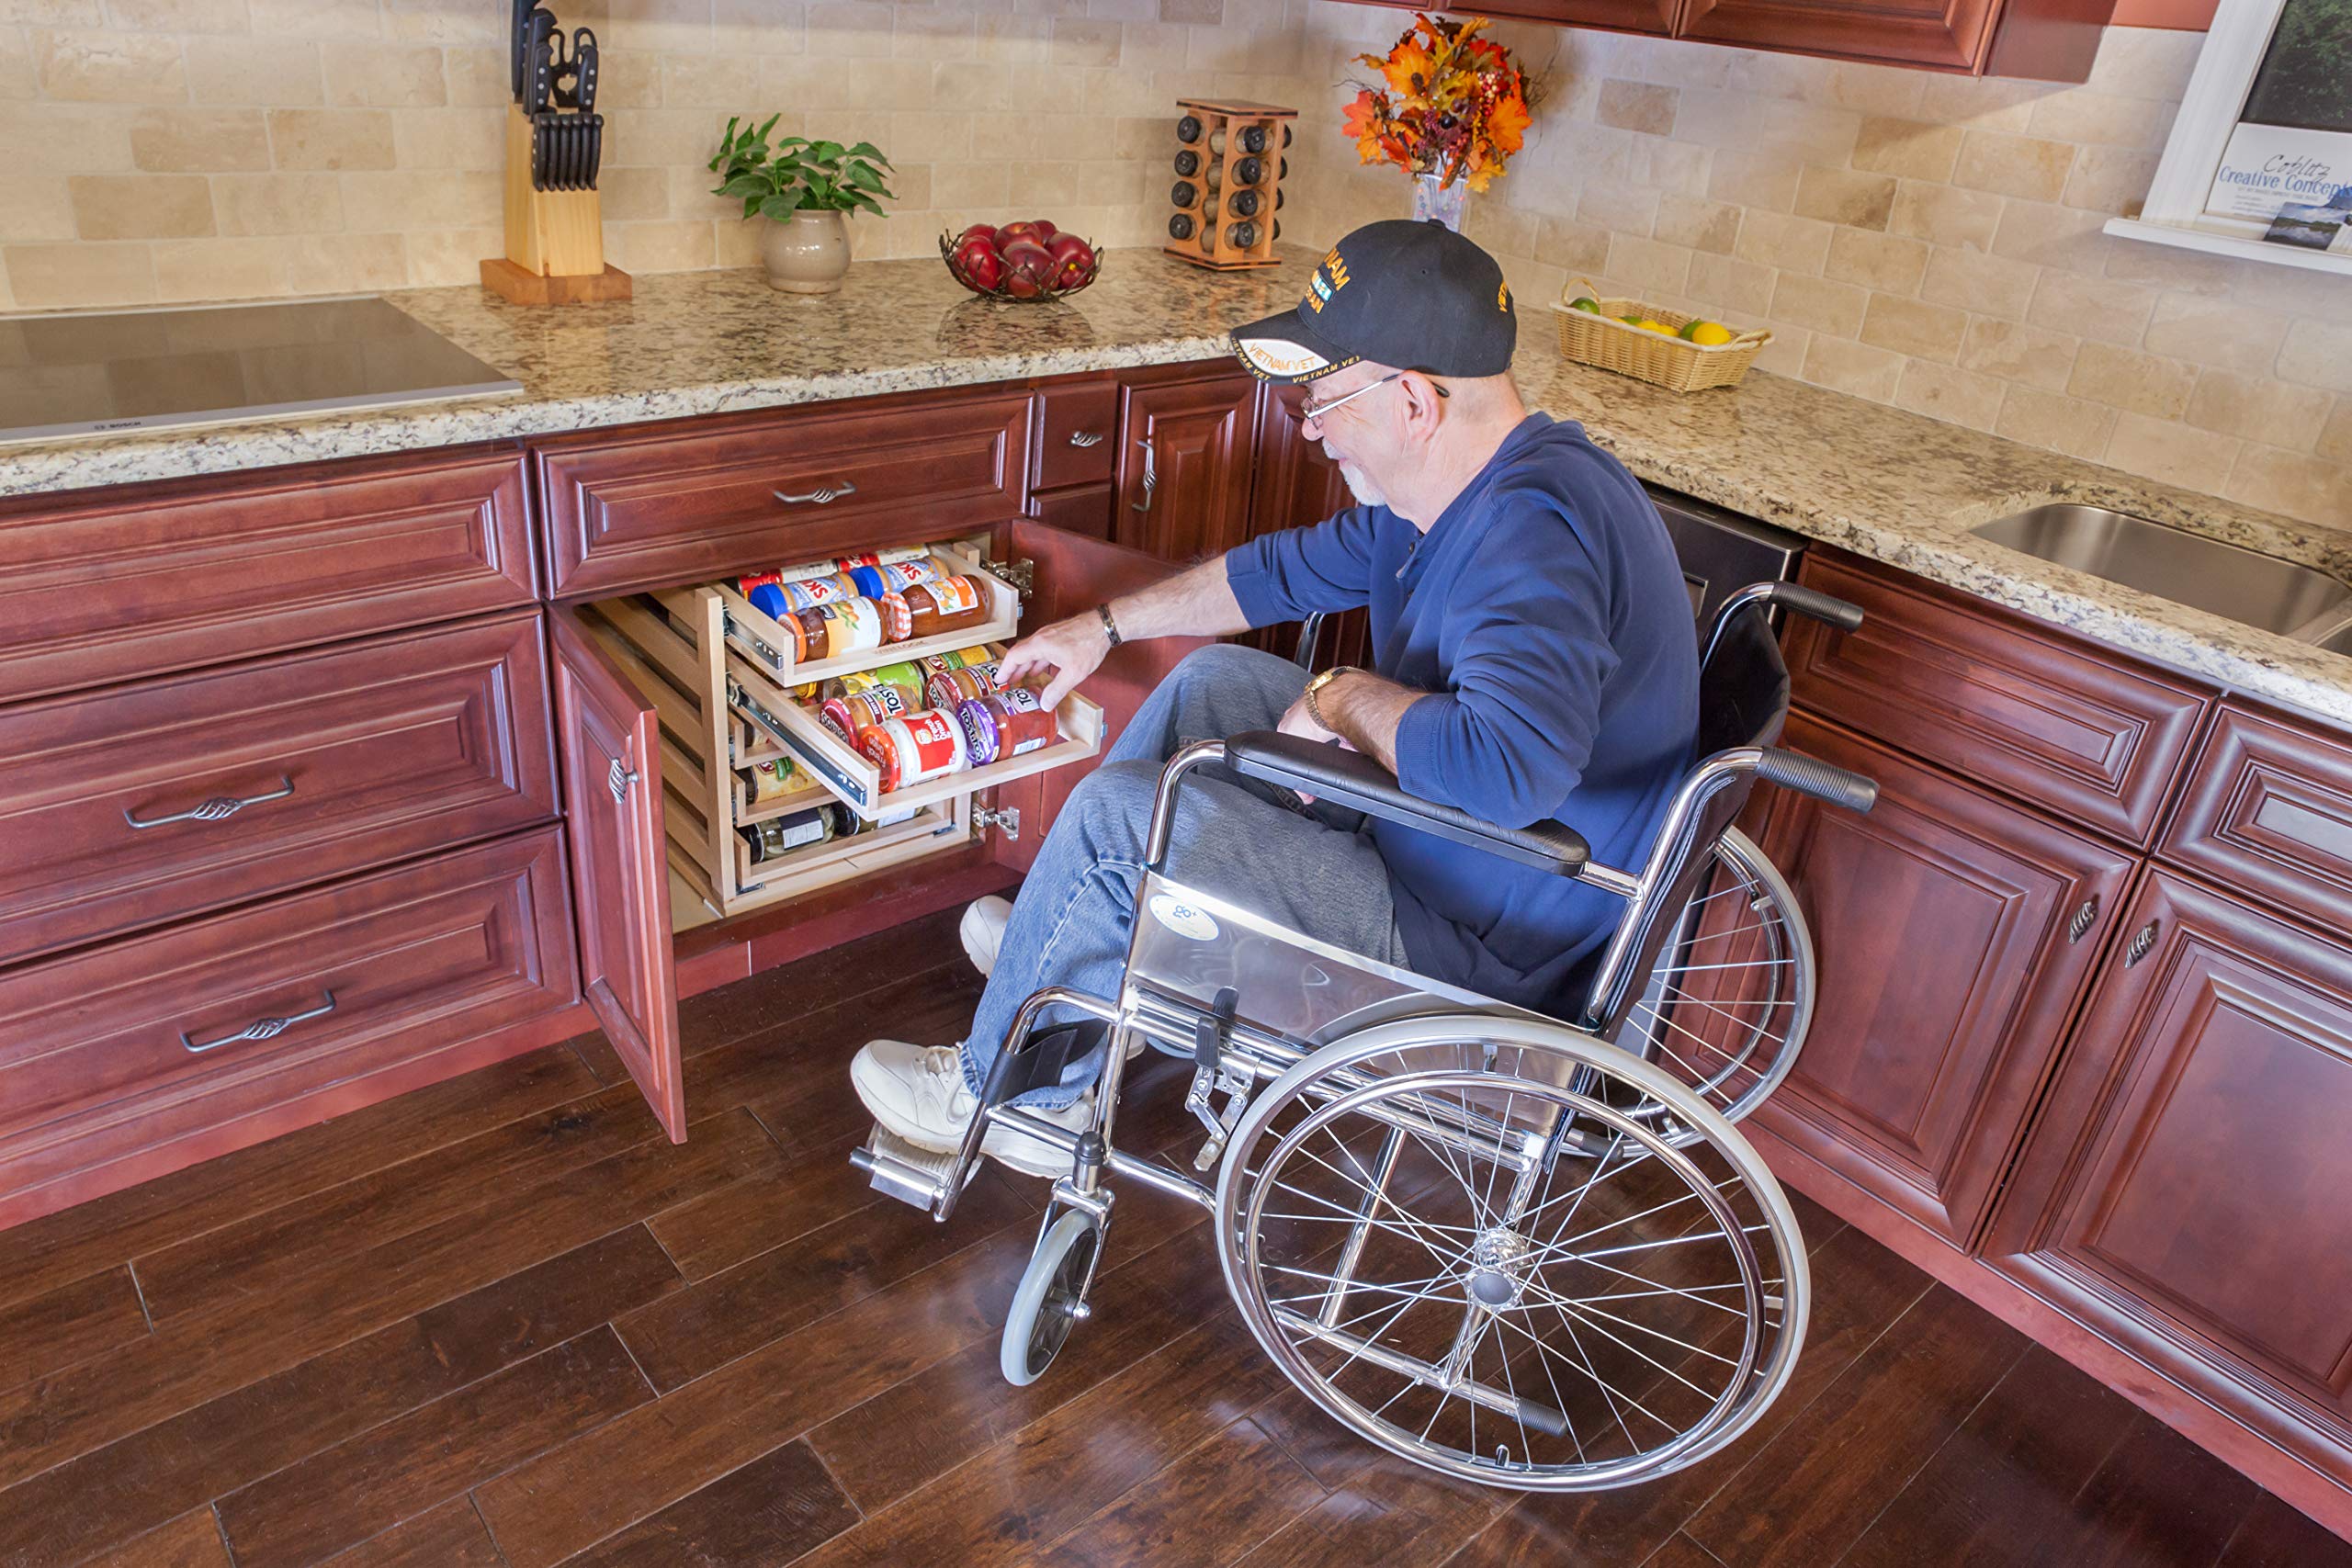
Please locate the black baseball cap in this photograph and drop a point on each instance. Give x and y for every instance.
(1414, 295)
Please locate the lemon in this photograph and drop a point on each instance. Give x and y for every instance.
(1586, 303)
(1647, 325)
(1708, 334)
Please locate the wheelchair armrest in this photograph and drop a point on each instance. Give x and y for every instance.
(1351, 779)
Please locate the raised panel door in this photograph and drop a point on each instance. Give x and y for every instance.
(1187, 447)
(1626, 16)
(1954, 932)
(2183, 1192)
(1949, 33)
(608, 742)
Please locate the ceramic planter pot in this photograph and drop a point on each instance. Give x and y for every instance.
(806, 255)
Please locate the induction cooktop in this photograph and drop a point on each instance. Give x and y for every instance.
(98, 372)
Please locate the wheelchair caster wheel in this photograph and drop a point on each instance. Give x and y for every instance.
(1049, 1299)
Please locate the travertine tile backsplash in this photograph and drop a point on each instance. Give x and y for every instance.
(1918, 239)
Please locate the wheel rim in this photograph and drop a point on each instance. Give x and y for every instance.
(1730, 1000)
(1571, 1315)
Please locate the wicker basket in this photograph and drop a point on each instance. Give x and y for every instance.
(1671, 362)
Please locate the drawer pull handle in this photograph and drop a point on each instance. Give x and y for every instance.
(1151, 477)
(2142, 940)
(2081, 923)
(1082, 439)
(823, 495)
(260, 1028)
(218, 810)
(617, 779)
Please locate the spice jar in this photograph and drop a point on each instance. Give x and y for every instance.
(914, 749)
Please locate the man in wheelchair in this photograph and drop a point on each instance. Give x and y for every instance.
(1533, 662)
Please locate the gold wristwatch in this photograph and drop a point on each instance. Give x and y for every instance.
(1316, 684)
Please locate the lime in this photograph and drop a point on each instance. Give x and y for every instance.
(1586, 303)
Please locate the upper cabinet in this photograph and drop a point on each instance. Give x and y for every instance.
(2049, 40)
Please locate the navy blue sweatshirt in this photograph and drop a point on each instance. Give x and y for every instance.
(1546, 618)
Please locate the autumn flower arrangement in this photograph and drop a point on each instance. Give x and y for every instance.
(1451, 103)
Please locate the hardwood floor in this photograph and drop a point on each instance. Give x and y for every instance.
(502, 1322)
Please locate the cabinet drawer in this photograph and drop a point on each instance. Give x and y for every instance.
(2269, 811)
(155, 1039)
(2084, 732)
(662, 503)
(1077, 433)
(117, 583)
(342, 760)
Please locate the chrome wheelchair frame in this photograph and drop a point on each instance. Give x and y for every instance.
(1414, 1086)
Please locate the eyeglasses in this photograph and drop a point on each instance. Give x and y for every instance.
(1312, 410)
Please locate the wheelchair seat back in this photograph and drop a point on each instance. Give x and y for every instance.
(1742, 702)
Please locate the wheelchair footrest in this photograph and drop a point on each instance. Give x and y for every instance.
(906, 1171)
(1043, 1059)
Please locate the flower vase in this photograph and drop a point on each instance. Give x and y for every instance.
(1432, 198)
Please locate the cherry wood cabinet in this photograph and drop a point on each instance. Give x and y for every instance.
(1188, 445)
(1298, 484)
(609, 739)
(2186, 1190)
(2052, 40)
(1953, 931)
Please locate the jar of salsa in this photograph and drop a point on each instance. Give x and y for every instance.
(949, 604)
(854, 711)
(949, 687)
(874, 578)
(914, 749)
(1004, 724)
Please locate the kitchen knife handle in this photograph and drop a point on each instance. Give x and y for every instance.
(583, 55)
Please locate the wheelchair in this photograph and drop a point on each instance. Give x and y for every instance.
(1437, 1212)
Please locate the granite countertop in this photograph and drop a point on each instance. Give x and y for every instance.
(1883, 482)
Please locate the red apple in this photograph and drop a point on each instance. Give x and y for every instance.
(980, 232)
(1026, 258)
(1073, 260)
(980, 263)
(1021, 230)
(1045, 232)
(1020, 286)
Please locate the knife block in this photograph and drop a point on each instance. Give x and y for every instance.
(554, 239)
(1227, 120)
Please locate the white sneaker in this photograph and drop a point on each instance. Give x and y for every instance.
(982, 930)
(917, 1093)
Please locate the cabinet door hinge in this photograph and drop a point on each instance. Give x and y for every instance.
(1006, 820)
(1019, 575)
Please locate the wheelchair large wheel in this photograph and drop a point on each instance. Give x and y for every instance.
(1399, 1226)
(1730, 998)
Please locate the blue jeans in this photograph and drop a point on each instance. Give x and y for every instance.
(1244, 842)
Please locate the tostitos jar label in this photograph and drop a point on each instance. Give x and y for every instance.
(981, 733)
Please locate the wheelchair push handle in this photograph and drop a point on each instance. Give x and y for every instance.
(1820, 606)
(1822, 780)
(1353, 780)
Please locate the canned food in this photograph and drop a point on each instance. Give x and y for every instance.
(903, 673)
(914, 749)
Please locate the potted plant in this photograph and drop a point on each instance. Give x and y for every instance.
(804, 188)
(1450, 110)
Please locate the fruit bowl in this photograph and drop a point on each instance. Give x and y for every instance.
(1028, 261)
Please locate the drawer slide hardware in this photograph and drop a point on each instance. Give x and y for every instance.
(260, 1028)
(220, 809)
(823, 495)
(1006, 820)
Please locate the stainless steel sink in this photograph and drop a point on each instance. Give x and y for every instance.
(2225, 580)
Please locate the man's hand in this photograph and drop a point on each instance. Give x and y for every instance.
(1297, 721)
(1072, 649)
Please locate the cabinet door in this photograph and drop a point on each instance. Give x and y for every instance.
(1073, 574)
(620, 884)
(1949, 33)
(2184, 1190)
(1951, 941)
(1187, 444)
(1299, 484)
(1626, 15)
